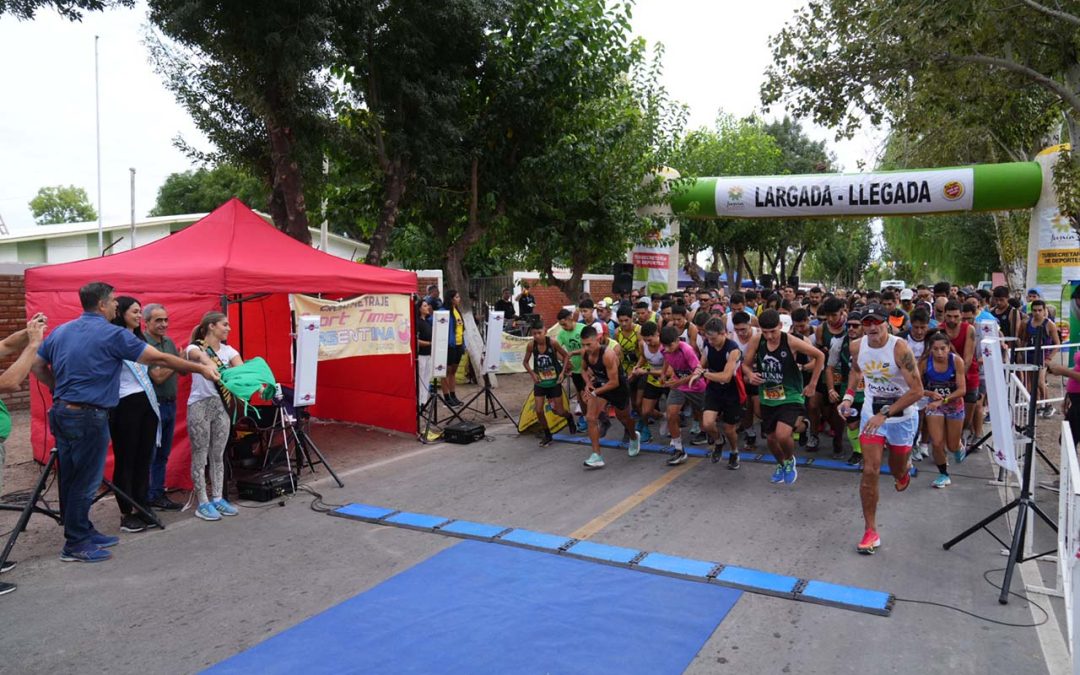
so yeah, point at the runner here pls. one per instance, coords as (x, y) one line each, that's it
(605, 384)
(570, 339)
(650, 367)
(885, 364)
(916, 341)
(628, 336)
(724, 391)
(1039, 330)
(800, 328)
(547, 363)
(770, 364)
(643, 314)
(832, 335)
(680, 362)
(742, 333)
(814, 298)
(837, 373)
(944, 384)
(962, 337)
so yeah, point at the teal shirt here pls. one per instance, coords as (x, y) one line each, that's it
(5, 422)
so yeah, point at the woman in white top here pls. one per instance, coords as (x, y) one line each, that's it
(133, 425)
(207, 418)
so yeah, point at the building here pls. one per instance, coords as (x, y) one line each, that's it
(50, 244)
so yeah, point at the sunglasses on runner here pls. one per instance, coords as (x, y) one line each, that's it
(854, 324)
(872, 322)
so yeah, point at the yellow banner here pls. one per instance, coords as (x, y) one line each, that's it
(368, 325)
(513, 351)
(1061, 257)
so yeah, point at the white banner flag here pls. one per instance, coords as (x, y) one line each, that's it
(997, 395)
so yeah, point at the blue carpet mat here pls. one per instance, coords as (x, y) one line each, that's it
(477, 608)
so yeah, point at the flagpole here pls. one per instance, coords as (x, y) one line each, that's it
(97, 124)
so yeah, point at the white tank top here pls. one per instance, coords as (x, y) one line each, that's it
(917, 347)
(654, 359)
(743, 345)
(882, 378)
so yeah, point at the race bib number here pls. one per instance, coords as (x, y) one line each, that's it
(774, 393)
(547, 374)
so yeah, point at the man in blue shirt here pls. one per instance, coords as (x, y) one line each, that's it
(80, 363)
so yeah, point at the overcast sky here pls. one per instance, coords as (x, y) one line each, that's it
(716, 55)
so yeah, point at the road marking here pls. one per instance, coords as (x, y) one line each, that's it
(622, 508)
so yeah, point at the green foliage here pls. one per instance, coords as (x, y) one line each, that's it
(62, 204)
(957, 247)
(203, 190)
(69, 9)
(845, 260)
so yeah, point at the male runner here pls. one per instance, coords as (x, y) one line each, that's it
(680, 362)
(742, 332)
(605, 384)
(887, 368)
(962, 337)
(570, 339)
(800, 328)
(628, 336)
(547, 363)
(770, 364)
(643, 314)
(837, 372)
(724, 392)
(814, 298)
(831, 335)
(916, 341)
(1039, 330)
(650, 367)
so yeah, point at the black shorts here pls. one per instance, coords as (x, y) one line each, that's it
(771, 415)
(547, 392)
(971, 396)
(579, 382)
(618, 397)
(729, 409)
(652, 392)
(751, 389)
(453, 354)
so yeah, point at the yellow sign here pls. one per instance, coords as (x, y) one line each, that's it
(513, 351)
(1061, 257)
(368, 325)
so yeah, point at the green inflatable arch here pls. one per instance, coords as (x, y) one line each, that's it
(986, 187)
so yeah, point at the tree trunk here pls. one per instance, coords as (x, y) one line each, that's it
(690, 265)
(749, 271)
(393, 191)
(291, 217)
(729, 270)
(782, 255)
(798, 261)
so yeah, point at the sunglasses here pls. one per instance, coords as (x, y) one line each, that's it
(854, 325)
(872, 322)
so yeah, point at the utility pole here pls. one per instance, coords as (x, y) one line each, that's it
(97, 124)
(132, 170)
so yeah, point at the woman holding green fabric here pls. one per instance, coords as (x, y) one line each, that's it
(207, 418)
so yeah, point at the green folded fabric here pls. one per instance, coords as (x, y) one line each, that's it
(247, 379)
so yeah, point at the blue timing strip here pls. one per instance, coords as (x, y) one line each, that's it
(694, 451)
(755, 581)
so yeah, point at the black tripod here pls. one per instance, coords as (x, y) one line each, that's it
(36, 504)
(492, 404)
(120, 494)
(301, 444)
(1024, 503)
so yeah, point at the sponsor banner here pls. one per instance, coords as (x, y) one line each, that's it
(513, 351)
(652, 262)
(997, 395)
(368, 325)
(1053, 245)
(901, 192)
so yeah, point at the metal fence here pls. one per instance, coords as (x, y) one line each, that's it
(1069, 535)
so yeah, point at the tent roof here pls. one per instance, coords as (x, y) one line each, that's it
(231, 250)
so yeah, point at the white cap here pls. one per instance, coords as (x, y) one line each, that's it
(907, 294)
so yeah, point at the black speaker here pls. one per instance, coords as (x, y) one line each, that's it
(712, 280)
(767, 281)
(622, 278)
(793, 281)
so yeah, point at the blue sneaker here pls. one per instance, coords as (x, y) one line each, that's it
(207, 512)
(595, 461)
(645, 434)
(582, 424)
(224, 508)
(790, 472)
(634, 446)
(959, 456)
(103, 540)
(87, 553)
(777, 474)
(942, 480)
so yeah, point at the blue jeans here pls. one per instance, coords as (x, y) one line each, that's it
(161, 453)
(82, 439)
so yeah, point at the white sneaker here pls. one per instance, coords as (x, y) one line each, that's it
(664, 428)
(595, 461)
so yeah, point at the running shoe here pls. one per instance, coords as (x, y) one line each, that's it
(854, 459)
(595, 461)
(695, 428)
(750, 442)
(132, 523)
(451, 401)
(812, 443)
(924, 450)
(700, 438)
(942, 480)
(717, 452)
(634, 446)
(790, 472)
(546, 440)
(870, 543)
(959, 456)
(903, 481)
(605, 423)
(645, 435)
(777, 474)
(733, 460)
(678, 458)
(582, 424)
(103, 540)
(87, 553)
(6, 588)
(225, 508)
(1048, 412)
(207, 512)
(7, 566)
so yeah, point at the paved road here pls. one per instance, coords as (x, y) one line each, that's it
(185, 598)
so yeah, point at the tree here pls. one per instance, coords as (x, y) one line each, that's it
(252, 76)
(203, 190)
(846, 259)
(62, 204)
(839, 61)
(69, 9)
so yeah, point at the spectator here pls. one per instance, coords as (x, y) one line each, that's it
(165, 380)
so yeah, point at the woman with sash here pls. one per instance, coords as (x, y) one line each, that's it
(134, 426)
(208, 420)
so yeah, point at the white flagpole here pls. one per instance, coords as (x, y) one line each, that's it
(97, 124)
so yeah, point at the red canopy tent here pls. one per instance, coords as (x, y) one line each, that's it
(233, 257)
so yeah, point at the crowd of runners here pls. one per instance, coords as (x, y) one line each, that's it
(872, 376)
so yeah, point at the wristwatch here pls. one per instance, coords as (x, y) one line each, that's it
(884, 412)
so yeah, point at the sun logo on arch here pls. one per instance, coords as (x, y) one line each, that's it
(876, 371)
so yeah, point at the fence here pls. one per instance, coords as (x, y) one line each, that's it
(1069, 535)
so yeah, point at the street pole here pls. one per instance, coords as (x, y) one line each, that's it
(325, 223)
(132, 170)
(97, 124)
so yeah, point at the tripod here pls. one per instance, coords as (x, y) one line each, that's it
(32, 506)
(492, 404)
(429, 413)
(120, 494)
(302, 445)
(1023, 504)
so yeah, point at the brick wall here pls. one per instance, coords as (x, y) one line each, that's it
(550, 299)
(13, 318)
(423, 282)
